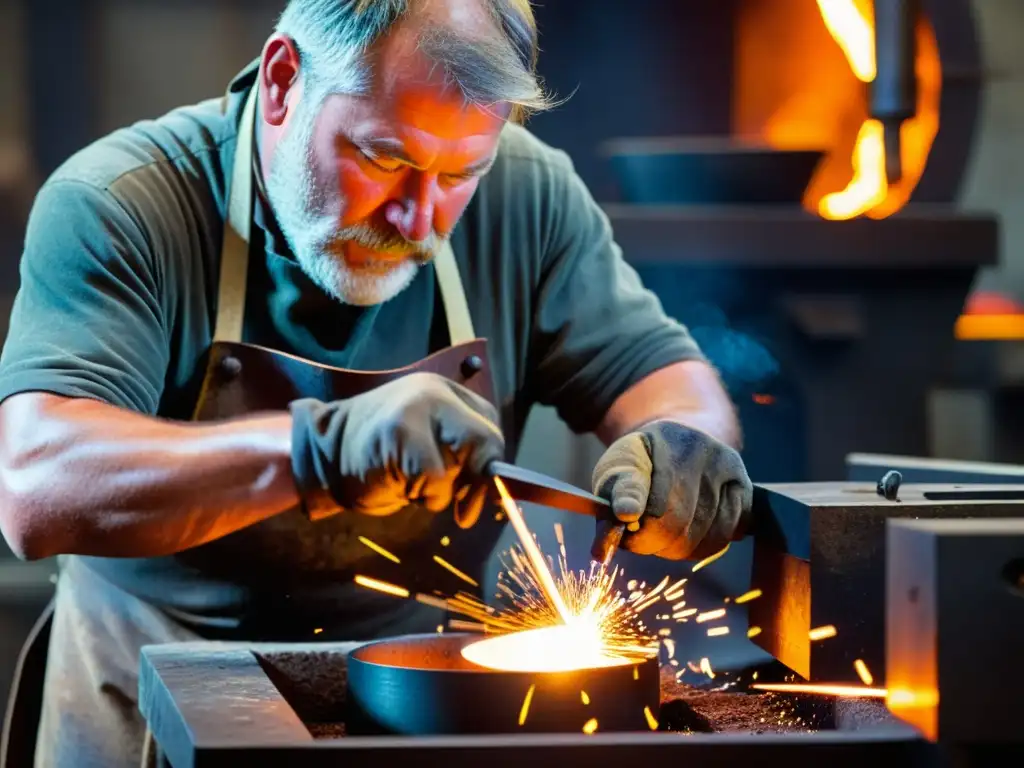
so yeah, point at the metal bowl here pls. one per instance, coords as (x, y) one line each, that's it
(709, 171)
(421, 685)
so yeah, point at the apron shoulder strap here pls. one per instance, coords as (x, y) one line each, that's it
(234, 254)
(234, 257)
(456, 309)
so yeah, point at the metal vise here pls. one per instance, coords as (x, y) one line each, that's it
(820, 561)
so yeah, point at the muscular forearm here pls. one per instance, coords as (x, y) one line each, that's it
(83, 477)
(689, 393)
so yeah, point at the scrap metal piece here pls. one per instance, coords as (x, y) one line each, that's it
(819, 561)
(955, 624)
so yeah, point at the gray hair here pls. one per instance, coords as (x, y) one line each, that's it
(334, 36)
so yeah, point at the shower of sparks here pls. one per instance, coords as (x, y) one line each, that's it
(846, 691)
(709, 560)
(652, 723)
(445, 564)
(381, 586)
(602, 612)
(529, 545)
(591, 726)
(591, 601)
(525, 709)
(863, 672)
(378, 549)
(822, 633)
(584, 698)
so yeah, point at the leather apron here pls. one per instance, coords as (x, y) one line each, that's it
(89, 712)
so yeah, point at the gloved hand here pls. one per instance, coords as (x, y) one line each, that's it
(689, 492)
(420, 438)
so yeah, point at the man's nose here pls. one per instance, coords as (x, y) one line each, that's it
(413, 216)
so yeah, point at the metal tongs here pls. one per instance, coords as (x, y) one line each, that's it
(538, 488)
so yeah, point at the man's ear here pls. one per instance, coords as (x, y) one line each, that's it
(278, 77)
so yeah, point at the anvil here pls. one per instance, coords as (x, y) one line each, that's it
(820, 561)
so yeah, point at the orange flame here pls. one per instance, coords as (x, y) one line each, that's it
(851, 24)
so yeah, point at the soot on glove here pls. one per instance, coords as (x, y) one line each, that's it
(418, 439)
(689, 492)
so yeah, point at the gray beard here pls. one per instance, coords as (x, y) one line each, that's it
(311, 228)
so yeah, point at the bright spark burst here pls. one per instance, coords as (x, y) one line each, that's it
(538, 594)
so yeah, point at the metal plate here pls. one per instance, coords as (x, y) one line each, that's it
(955, 602)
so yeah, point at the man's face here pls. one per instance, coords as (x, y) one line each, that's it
(367, 188)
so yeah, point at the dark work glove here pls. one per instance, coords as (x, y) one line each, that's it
(689, 492)
(420, 438)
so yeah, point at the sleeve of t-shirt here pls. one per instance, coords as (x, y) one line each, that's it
(87, 319)
(597, 330)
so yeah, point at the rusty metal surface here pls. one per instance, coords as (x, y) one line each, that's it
(819, 559)
(955, 626)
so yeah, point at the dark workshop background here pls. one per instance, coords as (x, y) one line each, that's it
(73, 71)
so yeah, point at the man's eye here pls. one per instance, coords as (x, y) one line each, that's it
(382, 164)
(454, 179)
